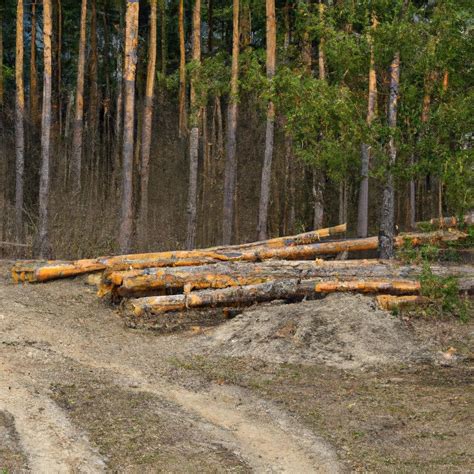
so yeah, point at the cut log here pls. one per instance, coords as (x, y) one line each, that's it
(236, 296)
(40, 270)
(468, 219)
(153, 280)
(43, 271)
(399, 287)
(391, 302)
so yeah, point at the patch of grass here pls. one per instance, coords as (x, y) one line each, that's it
(444, 293)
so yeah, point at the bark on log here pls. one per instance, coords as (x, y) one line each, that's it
(400, 287)
(239, 296)
(34, 271)
(154, 280)
(468, 219)
(391, 302)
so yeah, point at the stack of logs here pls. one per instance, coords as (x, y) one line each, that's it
(285, 268)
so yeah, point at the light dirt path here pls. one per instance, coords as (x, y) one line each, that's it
(63, 321)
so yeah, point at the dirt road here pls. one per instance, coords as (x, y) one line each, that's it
(83, 394)
(80, 392)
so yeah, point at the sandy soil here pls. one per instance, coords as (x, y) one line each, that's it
(313, 387)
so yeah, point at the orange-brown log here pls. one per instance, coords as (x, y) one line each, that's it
(391, 302)
(447, 221)
(154, 280)
(400, 287)
(228, 297)
(43, 271)
(40, 271)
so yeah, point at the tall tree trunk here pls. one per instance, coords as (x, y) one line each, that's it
(363, 208)
(245, 24)
(59, 73)
(233, 108)
(130, 67)
(94, 89)
(1, 58)
(34, 109)
(78, 128)
(43, 246)
(319, 180)
(387, 224)
(194, 136)
(147, 122)
(164, 46)
(182, 128)
(269, 136)
(210, 25)
(19, 122)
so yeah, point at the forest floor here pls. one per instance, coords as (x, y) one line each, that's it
(332, 385)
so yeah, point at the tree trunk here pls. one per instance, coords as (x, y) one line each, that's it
(34, 109)
(1, 59)
(236, 296)
(398, 287)
(130, 67)
(231, 161)
(194, 135)
(387, 224)
(210, 26)
(393, 302)
(43, 246)
(182, 128)
(147, 123)
(269, 136)
(78, 128)
(19, 123)
(93, 114)
(164, 46)
(223, 275)
(363, 207)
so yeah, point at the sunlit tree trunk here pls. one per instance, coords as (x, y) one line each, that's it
(233, 108)
(130, 67)
(34, 109)
(182, 72)
(194, 135)
(147, 122)
(78, 128)
(363, 207)
(1, 58)
(43, 246)
(93, 84)
(319, 181)
(269, 136)
(387, 223)
(19, 122)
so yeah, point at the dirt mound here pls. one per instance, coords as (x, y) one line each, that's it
(346, 331)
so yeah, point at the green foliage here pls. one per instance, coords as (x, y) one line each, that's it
(444, 294)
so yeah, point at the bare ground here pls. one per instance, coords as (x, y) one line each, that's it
(323, 386)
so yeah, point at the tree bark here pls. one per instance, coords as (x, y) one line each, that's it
(78, 128)
(392, 302)
(43, 246)
(1, 59)
(387, 224)
(237, 296)
(194, 135)
(399, 287)
(147, 123)
(130, 67)
(210, 26)
(265, 187)
(182, 127)
(34, 108)
(363, 207)
(19, 122)
(93, 84)
(164, 46)
(233, 107)
(222, 275)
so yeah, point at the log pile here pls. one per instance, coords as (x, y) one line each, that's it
(287, 268)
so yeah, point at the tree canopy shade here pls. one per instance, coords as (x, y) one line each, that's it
(168, 123)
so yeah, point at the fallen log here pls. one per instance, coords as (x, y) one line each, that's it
(153, 280)
(298, 252)
(42, 271)
(400, 287)
(444, 222)
(228, 297)
(391, 302)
